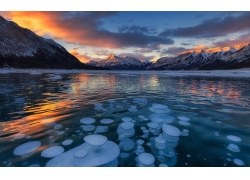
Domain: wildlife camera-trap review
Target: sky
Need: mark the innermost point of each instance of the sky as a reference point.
(146, 35)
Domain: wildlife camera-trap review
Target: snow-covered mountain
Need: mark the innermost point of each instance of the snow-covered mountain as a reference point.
(234, 58)
(21, 48)
(120, 63)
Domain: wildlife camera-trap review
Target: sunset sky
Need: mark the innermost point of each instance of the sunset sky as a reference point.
(145, 35)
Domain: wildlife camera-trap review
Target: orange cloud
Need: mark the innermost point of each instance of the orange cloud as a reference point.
(82, 57)
(60, 27)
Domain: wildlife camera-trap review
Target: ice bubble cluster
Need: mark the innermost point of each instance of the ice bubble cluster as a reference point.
(52, 151)
(26, 148)
(96, 151)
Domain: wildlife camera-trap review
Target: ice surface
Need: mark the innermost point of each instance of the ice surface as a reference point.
(26, 147)
(52, 151)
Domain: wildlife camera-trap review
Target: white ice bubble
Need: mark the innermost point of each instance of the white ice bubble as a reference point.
(165, 117)
(81, 153)
(149, 144)
(239, 162)
(87, 120)
(156, 105)
(95, 140)
(34, 165)
(139, 150)
(60, 132)
(67, 142)
(142, 128)
(27, 147)
(127, 144)
(132, 109)
(234, 138)
(88, 127)
(184, 123)
(233, 147)
(141, 116)
(157, 120)
(126, 119)
(140, 101)
(152, 125)
(146, 159)
(127, 125)
(171, 130)
(139, 142)
(163, 165)
(183, 118)
(188, 156)
(19, 136)
(98, 105)
(106, 121)
(52, 151)
(159, 110)
(58, 126)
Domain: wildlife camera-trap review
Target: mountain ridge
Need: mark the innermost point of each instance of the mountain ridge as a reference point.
(22, 48)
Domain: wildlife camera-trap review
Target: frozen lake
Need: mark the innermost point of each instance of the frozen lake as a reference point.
(145, 118)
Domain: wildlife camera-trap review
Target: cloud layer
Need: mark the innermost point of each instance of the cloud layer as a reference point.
(85, 29)
(212, 28)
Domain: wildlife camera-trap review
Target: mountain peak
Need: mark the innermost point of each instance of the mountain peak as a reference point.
(111, 56)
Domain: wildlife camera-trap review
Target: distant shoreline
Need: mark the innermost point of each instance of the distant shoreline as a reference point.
(236, 73)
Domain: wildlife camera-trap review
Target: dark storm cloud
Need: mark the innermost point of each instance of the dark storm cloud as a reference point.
(213, 27)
